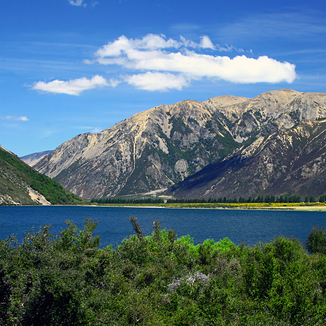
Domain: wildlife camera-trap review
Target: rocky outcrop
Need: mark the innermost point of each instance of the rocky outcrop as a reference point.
(157, 148)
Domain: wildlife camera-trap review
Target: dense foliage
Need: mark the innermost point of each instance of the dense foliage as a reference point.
(260, 199)
(158, 280)
(118, 200)
(317, 240)
(50, 189)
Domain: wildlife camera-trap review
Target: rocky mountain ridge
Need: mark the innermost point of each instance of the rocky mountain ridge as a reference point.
(159, 147)
(289, 161)
(33, 159)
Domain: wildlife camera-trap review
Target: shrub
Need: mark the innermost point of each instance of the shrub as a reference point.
(316, 240)
(157, 280)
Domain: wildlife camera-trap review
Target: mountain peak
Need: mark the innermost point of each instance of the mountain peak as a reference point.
(157, 148)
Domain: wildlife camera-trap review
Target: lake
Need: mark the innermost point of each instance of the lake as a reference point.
(249, 226)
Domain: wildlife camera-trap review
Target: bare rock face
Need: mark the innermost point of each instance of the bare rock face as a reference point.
(287, 162)
(157, 148)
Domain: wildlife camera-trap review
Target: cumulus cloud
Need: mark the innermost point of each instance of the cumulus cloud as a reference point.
(158, 63)
(149, 43)
(124, 45)
(156, 54)
(155, 81)
(73, 87)
(11, 117)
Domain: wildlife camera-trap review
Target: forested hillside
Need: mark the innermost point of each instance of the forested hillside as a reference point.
(22, 185)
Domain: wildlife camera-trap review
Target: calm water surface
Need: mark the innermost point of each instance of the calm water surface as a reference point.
(113, 226)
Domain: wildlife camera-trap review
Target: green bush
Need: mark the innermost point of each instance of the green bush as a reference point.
(316, 240)
(157, 279)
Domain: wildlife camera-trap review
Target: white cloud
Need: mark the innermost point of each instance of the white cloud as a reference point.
(156, 62)
(96, 130)
(149, 42)
(154, 53)
(154, 41)
(73, 87)
(229, 48)
(11, 117)
(77, 3)
(188, 43)
(155, 81)
(114, 82)
(206, 43)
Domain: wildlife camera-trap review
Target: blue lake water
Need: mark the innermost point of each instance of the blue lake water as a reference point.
(249, 226)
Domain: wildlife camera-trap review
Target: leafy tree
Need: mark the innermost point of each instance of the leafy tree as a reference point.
(316, 240)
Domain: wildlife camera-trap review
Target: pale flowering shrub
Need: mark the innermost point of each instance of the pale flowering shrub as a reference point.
(190, 279)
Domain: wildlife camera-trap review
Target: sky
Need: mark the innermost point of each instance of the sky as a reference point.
(68, 67)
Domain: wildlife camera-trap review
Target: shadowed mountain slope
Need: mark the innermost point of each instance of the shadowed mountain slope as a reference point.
(289, 161)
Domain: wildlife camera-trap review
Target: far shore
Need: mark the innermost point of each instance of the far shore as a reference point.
(314, 207)
(253, 206)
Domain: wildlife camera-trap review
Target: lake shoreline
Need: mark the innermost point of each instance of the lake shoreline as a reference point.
(231, 206)
(251, 206)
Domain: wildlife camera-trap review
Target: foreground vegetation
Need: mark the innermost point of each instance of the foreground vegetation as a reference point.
(160, 280)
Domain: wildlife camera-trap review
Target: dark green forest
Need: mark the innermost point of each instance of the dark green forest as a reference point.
(160, 279)
(258, 199)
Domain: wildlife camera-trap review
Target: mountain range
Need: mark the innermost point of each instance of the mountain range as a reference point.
(224, 146)
(289, 161)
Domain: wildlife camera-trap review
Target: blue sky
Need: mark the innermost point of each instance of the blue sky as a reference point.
(73, 66)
